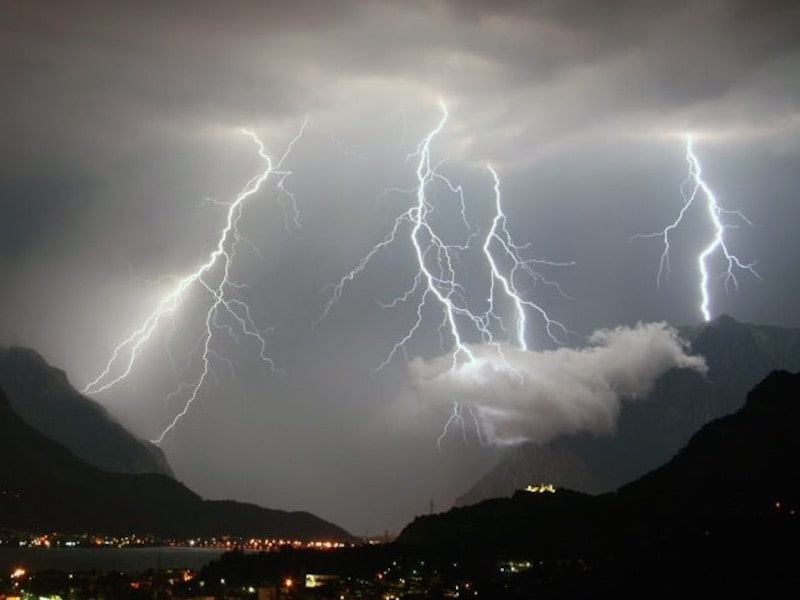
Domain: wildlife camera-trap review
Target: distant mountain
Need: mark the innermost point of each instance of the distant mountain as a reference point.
(44, 398)
(652, 429)
(724, 513)
(45, 487)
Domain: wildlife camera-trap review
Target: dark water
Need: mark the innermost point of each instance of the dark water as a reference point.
(105, 559)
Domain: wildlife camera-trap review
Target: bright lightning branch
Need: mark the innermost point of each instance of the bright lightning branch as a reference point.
(436, 280)
(213, 279)
(720, 220)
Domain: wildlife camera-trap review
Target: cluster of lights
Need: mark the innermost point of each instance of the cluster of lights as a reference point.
(257, 543)
(543, 488)
(19, 577)
(58, 540)
(781, 508)
(404, 580)
(512, 567)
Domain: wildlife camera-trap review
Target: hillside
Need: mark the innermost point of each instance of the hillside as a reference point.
(44, 398)
(45, 487)
(651, 430)
(736, 467)
(743, 463)
(723, 514)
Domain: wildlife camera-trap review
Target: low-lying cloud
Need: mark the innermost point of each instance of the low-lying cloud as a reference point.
(535, 396)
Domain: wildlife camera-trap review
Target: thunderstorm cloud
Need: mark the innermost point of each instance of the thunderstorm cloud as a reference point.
(123, 144)
(535, 396)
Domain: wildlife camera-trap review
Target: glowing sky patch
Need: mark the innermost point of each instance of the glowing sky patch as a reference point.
(214, 278)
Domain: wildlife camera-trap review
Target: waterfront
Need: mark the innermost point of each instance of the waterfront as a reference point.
(107, 559)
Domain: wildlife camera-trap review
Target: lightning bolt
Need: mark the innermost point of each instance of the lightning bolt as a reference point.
(499, 235)
(692, 187)
(225, 312)
(436, 279)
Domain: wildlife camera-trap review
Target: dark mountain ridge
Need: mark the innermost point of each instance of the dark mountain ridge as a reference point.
(741, 463)
(723, 514)
(651, 430)
(44, 398)
(45, 487)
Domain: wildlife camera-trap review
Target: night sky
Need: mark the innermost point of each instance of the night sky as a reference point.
(122, 140)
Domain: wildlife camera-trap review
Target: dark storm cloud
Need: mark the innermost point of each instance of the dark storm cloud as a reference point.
(99, 70)
(105, 77)
(120, 117)
(620, 63)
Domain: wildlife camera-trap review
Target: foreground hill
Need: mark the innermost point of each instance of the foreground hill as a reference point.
(651, 430)
(745, 463)
(44, 398)
(45, 487)
(725, 511)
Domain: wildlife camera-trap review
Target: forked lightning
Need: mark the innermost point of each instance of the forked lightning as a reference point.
(693, 187)
(213, 278)
(436, 280)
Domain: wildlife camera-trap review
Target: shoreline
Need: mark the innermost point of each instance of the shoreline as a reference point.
(129, 559)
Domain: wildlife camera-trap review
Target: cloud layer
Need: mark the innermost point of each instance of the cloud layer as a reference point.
(536, 396)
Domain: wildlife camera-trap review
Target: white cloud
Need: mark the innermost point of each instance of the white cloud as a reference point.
(536, 396)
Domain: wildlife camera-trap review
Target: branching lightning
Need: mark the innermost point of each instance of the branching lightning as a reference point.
(226, 313)
(499, 235)
(436, 280)
(692, 187)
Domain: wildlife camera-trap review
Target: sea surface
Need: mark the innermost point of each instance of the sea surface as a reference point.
(106, 559)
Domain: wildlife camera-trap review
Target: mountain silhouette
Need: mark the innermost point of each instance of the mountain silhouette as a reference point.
(44, 398)
(45, 487)
(722, 517)
(743, 463)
